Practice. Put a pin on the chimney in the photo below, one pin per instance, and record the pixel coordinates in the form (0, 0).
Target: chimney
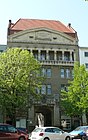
(10, 22)
(69, 25)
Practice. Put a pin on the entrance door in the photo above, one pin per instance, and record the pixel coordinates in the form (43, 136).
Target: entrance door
(45, 115)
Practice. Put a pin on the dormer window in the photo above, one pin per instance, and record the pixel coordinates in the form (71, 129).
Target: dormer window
(54, 38)
(30, 36)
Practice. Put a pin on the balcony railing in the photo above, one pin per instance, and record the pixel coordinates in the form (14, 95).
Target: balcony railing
(57, 62)
(47, 100)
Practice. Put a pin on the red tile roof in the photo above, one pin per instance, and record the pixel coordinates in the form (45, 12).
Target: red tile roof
(24, 24)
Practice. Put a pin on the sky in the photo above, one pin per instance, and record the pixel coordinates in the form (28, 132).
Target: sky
(66, 11)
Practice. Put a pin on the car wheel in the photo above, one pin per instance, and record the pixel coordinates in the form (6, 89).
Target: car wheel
(46, 138)
(21, 138)
(67, 138)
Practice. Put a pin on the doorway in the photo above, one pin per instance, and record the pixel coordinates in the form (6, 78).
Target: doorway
(43, 114)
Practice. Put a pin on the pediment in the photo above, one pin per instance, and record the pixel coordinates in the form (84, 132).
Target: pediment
(41, 34)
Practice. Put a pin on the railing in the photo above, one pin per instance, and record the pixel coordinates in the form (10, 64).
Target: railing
(57, 62)
(47, 100)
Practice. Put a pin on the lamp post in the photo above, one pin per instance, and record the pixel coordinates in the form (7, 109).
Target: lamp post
(29, 102)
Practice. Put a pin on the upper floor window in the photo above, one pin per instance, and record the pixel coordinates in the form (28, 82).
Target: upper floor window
(67, 73)
(86, 64)
(62, 73)
(49, 89)
(48, 73)
(86, 54)
(43, 72)
(46, 89)
(43, 55)
(43, 89)
(66, 56)
(36, 56)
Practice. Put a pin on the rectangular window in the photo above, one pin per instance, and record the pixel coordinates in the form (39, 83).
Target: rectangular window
(62, 73)
(48, 89)
(48, 73)
(67, 73)
(43, 72)
(43, 89)
(43, 55)
(86, 54)
(86, 64)
(36, 56)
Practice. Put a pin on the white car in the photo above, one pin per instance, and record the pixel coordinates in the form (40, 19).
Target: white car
(49, 133)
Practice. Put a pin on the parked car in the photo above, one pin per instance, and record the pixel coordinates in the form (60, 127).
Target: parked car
(80, 133)
(22, 129)
(48, 133)
(9, 132)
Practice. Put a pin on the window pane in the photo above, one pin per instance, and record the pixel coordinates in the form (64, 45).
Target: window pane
(86, 65)
(67, 73)
(43, 55)
(62, 73)
(48, 89)
(86, 54)
(48, 73)
(43, 72)
(43, 89)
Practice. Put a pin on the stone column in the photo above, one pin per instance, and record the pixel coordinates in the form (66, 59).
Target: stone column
(70, 55)
(47, 54)
(55, 57)
(39, 54)
(31, 51)
(74, 56)
(63, 55)
(56, 115)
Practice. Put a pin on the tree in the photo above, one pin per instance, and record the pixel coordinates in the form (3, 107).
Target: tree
(75, 100)
(19, 73)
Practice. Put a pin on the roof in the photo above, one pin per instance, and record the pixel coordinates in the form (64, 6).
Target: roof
(24, 24)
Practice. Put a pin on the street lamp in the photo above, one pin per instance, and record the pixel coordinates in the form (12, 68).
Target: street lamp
(29, 101)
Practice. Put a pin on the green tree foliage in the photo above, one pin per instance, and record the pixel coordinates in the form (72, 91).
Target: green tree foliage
(19, 77)
(75, 100)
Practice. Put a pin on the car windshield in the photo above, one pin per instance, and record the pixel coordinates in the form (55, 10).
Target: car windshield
(81, 128)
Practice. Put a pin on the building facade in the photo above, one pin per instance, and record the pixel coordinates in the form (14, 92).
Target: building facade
(56, 47)
(83, 51)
